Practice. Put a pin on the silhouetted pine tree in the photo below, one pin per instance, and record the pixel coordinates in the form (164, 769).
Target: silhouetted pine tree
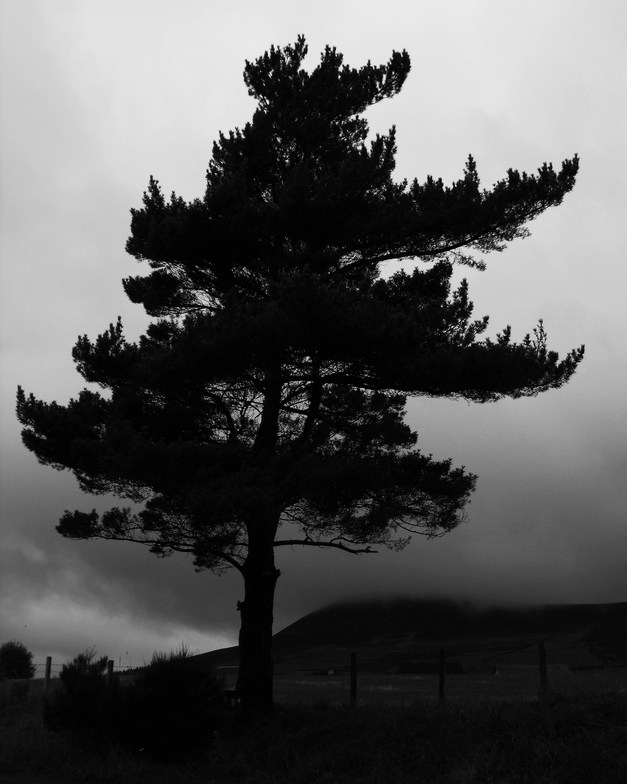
(265, 404)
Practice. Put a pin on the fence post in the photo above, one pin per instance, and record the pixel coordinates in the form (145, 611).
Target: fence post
(353, 680)
(110, 673)
(544, 684)
(442, 673)
(47, 674)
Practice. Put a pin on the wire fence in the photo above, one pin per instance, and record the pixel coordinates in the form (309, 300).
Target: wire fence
(515, 684)
(352, 686)
(56, 667)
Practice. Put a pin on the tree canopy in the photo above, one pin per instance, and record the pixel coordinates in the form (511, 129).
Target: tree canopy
(16, 661)
(265, 403)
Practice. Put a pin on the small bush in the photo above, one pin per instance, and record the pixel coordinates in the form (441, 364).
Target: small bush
(85, 701)
(16, 661)
(170, 710)
(83, 670)
(165, 711)
(14, 692)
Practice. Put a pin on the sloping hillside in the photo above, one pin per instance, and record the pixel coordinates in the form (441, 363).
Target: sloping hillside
(392, 634)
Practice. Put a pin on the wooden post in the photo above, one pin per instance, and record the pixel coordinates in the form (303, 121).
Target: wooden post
(353, 680)
(544, 684)
(442, 673)
(110, 673)
(47, 673)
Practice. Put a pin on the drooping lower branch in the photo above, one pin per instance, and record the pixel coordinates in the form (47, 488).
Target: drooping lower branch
(83, 525)
(338, 544)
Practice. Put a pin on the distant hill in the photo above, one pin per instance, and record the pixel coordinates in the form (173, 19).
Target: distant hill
(392, 634)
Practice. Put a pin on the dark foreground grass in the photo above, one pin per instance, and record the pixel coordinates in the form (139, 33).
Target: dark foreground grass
(575, 739)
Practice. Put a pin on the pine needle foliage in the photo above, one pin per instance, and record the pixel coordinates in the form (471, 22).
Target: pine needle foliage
(265, 404)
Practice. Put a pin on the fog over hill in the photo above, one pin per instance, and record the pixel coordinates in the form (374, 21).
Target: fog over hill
(391, 634)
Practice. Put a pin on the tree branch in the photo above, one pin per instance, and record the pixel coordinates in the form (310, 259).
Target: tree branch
(168, 545)
(404, 252)
(315, 400)
(335, 543)
(229, 419)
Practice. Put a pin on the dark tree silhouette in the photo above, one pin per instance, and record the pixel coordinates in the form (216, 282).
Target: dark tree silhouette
(264, 405)
(16, 661)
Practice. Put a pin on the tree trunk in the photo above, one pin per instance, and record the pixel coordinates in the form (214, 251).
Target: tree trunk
(255, 637)
(256, 671)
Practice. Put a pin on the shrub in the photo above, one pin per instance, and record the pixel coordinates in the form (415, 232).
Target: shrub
(85, 701)
(166, 710)
(16, 661)
(169, 709)
(82, 670)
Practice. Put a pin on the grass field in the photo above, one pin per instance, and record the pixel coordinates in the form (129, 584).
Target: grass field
(514, 683)
(581, 738)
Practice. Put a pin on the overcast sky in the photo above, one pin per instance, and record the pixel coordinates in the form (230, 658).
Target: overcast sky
(96, 95)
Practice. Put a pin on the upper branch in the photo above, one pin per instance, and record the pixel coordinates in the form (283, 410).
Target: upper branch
(233, 435)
